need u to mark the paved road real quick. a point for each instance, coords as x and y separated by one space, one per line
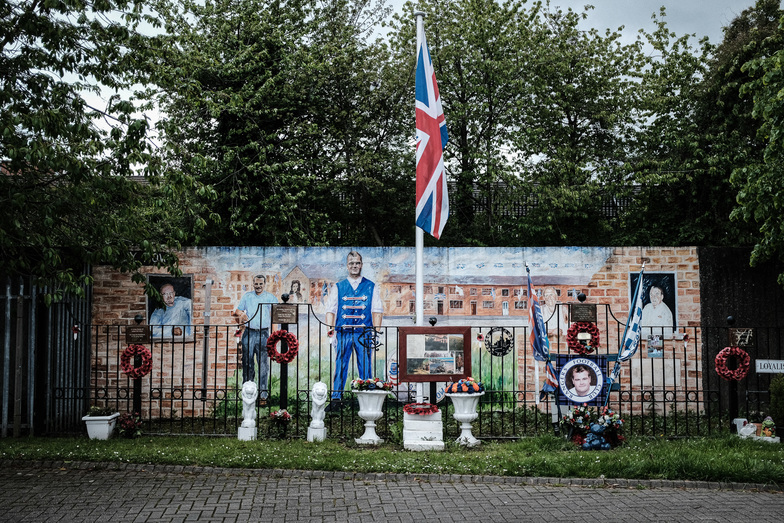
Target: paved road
77 491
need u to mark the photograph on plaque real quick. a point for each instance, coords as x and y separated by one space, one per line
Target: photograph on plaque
172 317
434 353
655 346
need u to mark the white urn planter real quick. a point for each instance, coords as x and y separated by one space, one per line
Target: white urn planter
370 403
100 427
465 412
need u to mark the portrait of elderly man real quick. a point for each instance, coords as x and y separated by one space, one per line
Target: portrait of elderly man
174 318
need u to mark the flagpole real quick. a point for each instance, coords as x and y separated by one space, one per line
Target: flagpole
617 365
419 288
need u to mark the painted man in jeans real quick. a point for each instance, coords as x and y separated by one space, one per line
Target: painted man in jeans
254 312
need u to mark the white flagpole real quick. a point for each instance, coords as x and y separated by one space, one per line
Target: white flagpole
419 288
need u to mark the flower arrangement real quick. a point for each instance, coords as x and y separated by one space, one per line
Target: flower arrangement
371 384
741 357
585 423
129 425
95 410
421 409
281 416
467 386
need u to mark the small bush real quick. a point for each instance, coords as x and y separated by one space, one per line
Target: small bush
777 399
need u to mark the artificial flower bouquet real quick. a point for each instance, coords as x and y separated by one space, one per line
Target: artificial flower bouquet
586 424
281 416
129 425
371 384
465 386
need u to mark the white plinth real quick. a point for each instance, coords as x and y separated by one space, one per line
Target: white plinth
246 433
317 434
423 432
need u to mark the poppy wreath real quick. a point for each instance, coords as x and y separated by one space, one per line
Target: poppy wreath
127 357
574 343
289 355
741 356
421 409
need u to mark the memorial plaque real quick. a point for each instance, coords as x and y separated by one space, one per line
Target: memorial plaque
583 312
743 338
284 313
137 334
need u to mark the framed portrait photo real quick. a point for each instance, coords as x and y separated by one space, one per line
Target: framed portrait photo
172 316
659 302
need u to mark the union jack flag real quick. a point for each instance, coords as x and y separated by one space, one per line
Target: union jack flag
432 201
537 337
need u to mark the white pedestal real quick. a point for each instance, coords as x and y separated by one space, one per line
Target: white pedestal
317 434
423 432
246 433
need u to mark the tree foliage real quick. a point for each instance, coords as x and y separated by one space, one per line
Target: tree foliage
760 180
65 189
287 112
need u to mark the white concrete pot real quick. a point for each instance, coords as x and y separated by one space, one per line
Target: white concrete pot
465 412
100 427
370 403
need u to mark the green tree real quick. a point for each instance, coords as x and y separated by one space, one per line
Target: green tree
66 162
760 181
576 128
287 112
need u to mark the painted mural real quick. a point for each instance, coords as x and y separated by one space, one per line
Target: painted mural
485 284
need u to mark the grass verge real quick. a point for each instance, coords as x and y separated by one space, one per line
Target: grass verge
724 458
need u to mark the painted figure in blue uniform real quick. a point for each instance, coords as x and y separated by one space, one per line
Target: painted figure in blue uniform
175 318
255 313
352 305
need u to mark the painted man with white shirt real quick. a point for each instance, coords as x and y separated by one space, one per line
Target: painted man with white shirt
352 305
656 314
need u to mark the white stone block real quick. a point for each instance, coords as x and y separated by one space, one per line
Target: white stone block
317 434
246 433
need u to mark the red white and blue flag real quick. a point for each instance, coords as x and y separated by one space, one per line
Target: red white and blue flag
631 335
537 337
432 201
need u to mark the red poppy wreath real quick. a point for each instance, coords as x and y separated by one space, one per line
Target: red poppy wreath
574 342
127 361
741 357
290 354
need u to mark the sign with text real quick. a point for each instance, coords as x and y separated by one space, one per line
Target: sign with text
137 334
583 312
284 313
770 366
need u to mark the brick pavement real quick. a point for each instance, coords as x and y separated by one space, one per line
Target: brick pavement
78 491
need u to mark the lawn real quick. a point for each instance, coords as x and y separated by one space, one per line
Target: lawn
725 458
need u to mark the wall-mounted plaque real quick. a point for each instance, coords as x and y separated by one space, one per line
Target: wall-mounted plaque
137 334
583 312
284 313
742 337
